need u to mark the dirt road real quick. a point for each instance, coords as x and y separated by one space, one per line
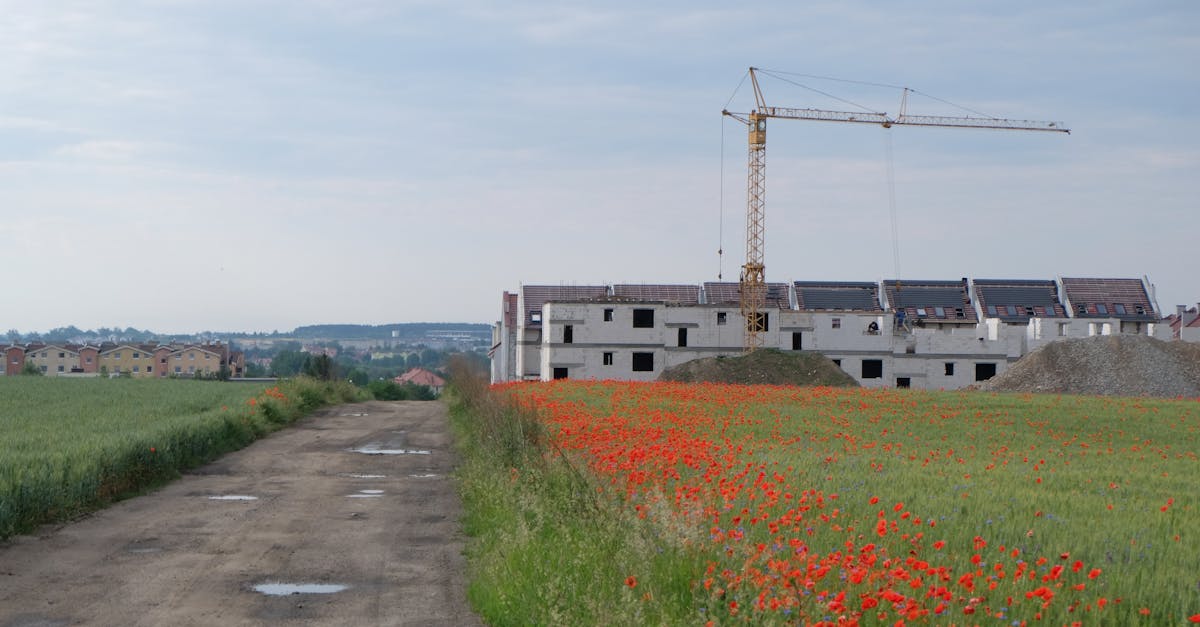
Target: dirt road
356 496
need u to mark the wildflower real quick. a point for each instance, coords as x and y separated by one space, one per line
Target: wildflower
631 581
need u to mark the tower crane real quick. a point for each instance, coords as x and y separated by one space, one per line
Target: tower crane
752 283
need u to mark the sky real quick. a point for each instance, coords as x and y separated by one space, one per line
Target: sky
186 166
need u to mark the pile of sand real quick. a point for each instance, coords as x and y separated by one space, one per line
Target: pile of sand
1115 365
764 366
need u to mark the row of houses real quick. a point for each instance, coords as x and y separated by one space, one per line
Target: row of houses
931 334
138 360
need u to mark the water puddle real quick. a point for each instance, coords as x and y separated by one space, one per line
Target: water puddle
427 475
285 589
366 494
233 497
354 415
358 476
373 449
370 491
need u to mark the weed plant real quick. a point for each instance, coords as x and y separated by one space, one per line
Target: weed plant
541 538
68 446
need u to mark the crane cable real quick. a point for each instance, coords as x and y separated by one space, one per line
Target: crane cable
891 188
721 226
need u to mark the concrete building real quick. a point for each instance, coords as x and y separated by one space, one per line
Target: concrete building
1185 323
921 334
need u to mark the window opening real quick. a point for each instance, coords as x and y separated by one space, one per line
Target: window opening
568 334
721 317
608 315
560 373
903 382
683 336
608 359
643 362
949 369
797 341
643 318
984 371
872 368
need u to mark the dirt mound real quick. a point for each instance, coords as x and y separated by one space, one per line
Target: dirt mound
766 366
1113 365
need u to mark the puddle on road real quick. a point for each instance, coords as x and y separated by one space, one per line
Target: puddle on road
373 449
366 494
355 415
427 475
358 476
370 491
233 497
286 589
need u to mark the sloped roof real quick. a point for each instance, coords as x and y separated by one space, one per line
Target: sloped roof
421 376
1124 299
682 294
536 296
1017 300
941 301
837 296
729 293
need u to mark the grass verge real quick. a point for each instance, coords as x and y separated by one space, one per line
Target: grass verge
543 548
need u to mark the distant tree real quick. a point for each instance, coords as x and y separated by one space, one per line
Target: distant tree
321 367
31 370
358 376
413 360
288 363
254 370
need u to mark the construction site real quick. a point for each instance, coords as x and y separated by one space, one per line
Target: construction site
937 333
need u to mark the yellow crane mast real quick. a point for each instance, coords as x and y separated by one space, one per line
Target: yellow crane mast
752 283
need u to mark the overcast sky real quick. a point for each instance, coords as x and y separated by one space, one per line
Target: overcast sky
185 166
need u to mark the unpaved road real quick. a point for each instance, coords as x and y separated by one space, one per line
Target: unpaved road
385 525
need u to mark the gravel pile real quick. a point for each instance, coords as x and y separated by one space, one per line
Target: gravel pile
764 366
1113 365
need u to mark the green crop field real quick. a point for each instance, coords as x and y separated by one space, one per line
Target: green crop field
684 504
70 445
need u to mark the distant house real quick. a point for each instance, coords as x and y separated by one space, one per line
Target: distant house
1185 323
421 376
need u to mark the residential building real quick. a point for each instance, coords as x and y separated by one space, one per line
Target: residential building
137 360
931 334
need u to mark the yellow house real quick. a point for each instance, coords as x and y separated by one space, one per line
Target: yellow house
135 360
191 361
52 360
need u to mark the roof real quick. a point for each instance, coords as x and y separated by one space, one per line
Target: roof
1018 300
421 376
1124 299
729 293
837 296
536 296
682 294
943 301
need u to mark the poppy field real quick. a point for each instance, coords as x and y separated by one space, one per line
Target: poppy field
784 505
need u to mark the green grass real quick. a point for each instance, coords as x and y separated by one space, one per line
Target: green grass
1046 476
68 446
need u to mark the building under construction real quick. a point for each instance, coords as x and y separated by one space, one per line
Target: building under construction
933 334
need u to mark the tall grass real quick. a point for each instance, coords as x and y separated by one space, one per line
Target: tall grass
541 536
68 446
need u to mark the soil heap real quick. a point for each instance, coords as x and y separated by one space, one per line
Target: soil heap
764 366
1113 365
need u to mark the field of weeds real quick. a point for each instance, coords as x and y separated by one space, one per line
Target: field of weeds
785 505
68 446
